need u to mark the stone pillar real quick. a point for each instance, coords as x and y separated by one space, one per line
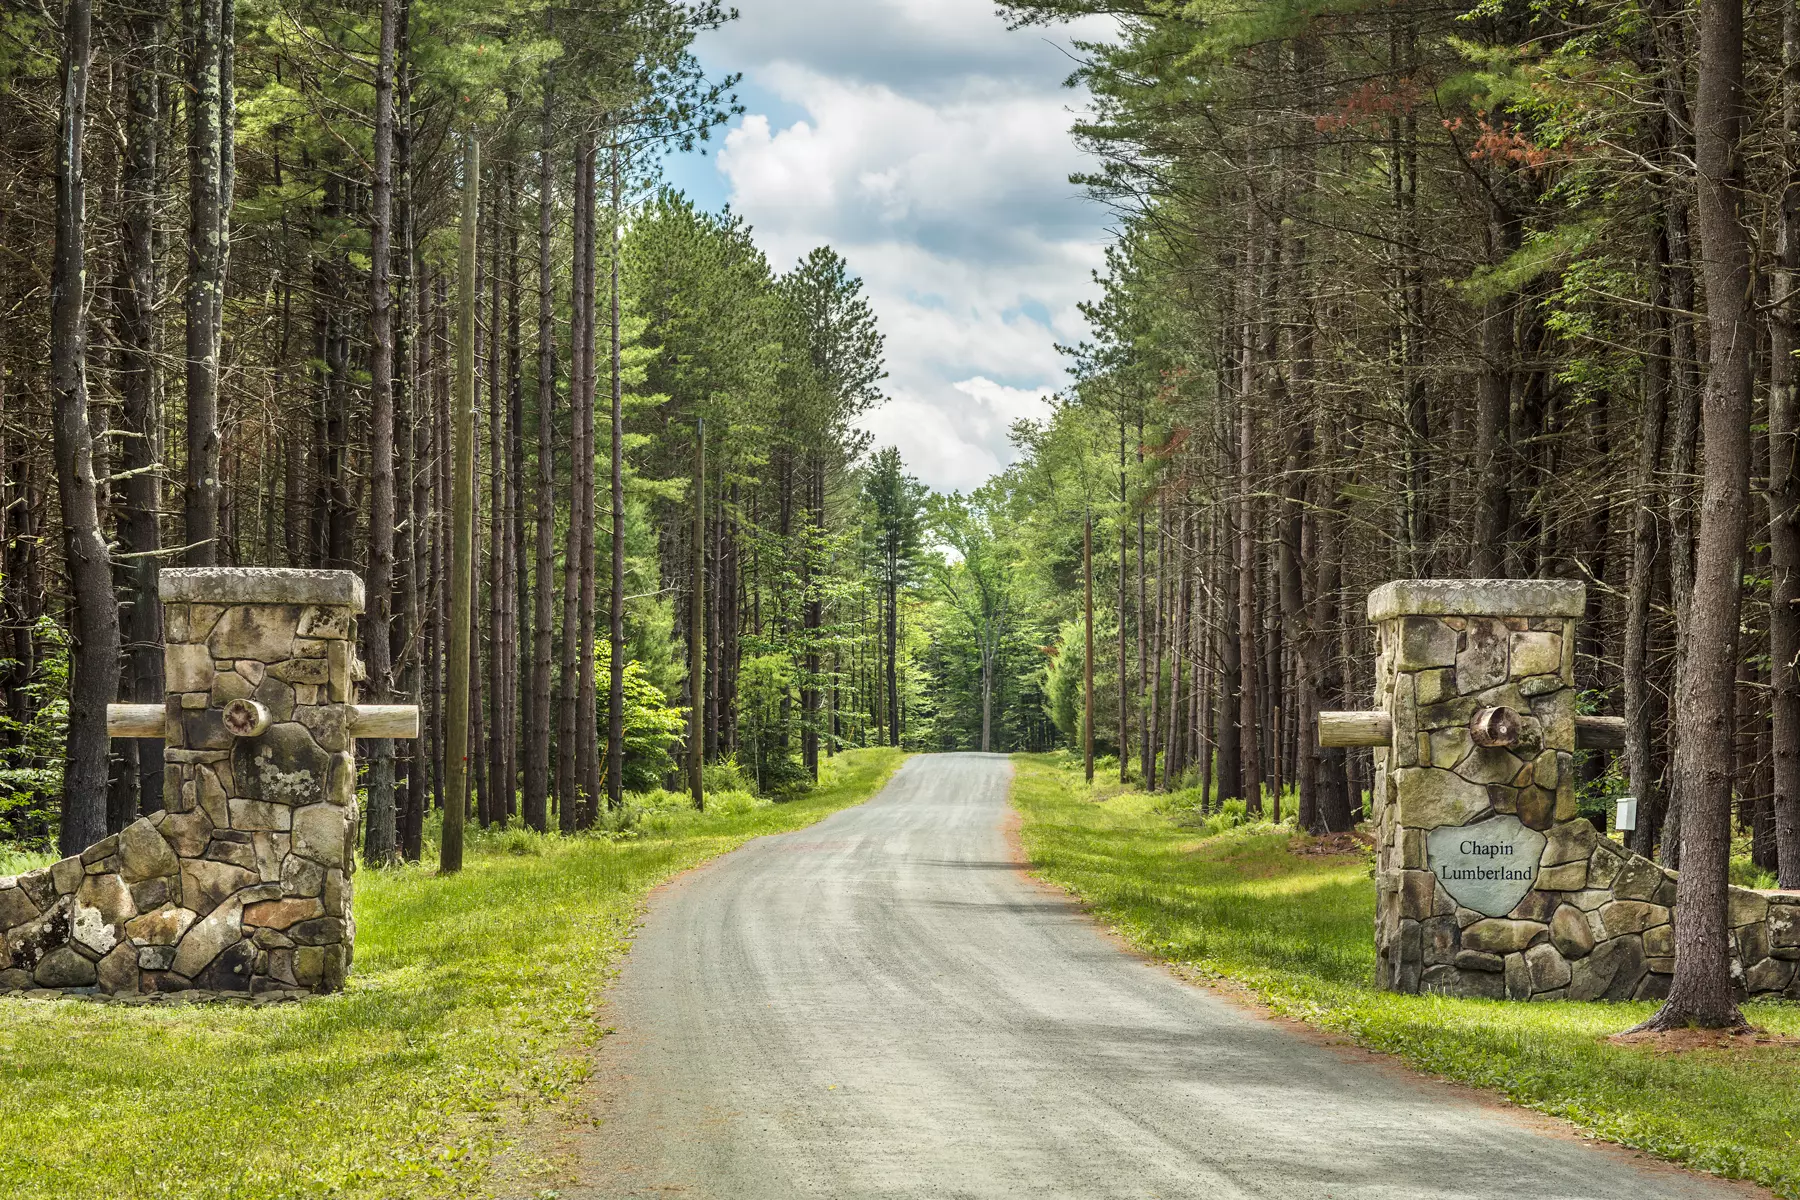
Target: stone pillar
241 884
1475 805
259 790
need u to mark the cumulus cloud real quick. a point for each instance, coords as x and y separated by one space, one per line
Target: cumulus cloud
930 147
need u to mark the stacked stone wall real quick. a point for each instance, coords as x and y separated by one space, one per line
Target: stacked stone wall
1489 882
242 882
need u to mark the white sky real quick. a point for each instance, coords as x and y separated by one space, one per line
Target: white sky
929 146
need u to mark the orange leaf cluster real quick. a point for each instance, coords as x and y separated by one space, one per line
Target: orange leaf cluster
1369 105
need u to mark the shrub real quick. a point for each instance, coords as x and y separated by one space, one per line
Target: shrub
653 726
726 776
1231 814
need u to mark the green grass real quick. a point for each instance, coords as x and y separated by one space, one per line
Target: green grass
16 860
466 995
1298 933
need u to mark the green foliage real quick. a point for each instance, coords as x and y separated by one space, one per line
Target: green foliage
16 860
31 765
1064 682
766 729
653 727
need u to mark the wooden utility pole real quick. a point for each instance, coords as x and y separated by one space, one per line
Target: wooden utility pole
1087 665
462 535
697 626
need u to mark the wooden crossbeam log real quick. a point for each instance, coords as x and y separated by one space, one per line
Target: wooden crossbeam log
1377 729
367 721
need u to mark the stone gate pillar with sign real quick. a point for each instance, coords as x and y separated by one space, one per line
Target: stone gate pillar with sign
1477 678
1488 882
241 883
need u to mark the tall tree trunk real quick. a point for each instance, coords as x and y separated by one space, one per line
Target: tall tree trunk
1493 403
580 300
1641 700
1087 657
1156 666
1669 23
412 491
892 619
537 723
1784 477
587 709
462 518
1294 632
96 618
499 551
1146 750
379 831
517 617
697 626
615 681
1701 993
140 534
206 276
1124 566
1175 739
1249 716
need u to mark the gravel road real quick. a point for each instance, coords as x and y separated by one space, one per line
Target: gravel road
883 1005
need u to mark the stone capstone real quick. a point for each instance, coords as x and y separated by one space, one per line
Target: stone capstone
1478 597
213 586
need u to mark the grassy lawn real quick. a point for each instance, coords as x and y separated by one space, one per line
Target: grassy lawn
464 996
1298 932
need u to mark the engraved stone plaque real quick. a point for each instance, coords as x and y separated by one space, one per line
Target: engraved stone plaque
1487 866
